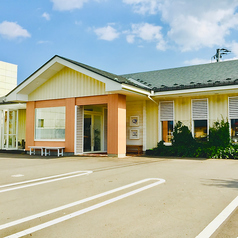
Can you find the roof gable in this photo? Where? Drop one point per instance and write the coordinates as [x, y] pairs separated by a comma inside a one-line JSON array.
[[55, 65]]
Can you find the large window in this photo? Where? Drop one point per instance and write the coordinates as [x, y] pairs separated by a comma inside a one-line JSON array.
[[50, 123], [233, 117], [200, 118], [166, 121]]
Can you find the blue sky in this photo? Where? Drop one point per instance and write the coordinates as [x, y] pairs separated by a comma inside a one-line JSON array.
[[123, 36]]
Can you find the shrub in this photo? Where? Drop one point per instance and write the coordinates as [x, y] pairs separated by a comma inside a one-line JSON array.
[[218, 144], [219, 135]]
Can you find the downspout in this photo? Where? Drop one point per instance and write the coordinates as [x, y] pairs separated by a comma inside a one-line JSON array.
[[149, 96]]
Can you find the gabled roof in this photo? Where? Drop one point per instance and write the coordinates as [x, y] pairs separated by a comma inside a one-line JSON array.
[[197, 76], [57, 63]]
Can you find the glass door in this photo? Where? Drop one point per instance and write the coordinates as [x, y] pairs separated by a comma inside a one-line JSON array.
[[87, 145], [92, 133], [10, 129]]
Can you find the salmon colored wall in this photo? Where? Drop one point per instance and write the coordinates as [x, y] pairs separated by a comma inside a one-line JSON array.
[[69, 124], [92, 100], [116, 141], [51, 103], [116, 125]]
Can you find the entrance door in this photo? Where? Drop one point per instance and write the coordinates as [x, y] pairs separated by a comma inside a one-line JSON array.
[[10, 129], [92, 132]]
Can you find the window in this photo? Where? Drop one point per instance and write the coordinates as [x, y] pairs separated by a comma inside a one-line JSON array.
[[50, 123], [233, 117], [166, 121], [200, 118]]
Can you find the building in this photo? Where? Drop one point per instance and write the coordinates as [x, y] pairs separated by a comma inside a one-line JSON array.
[[88, 110]]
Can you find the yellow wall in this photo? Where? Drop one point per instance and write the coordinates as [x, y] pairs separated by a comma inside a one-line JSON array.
[[151, 124], [68, 83], [217, 107], [134, 108], [21, 125]]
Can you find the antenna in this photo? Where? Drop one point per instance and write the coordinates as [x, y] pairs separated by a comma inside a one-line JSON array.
[[219, 54]]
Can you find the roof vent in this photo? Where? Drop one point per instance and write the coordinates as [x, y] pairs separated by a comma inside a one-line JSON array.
[[175, 84], [191, 82], [209, 81], [228, 79], [149, 84]]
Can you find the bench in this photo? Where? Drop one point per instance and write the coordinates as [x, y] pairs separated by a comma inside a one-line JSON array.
[[34, 148], [45, 150], [60, 150], [134, 148]]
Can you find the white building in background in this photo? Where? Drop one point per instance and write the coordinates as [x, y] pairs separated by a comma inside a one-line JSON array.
[[12, 132], [8, 77]]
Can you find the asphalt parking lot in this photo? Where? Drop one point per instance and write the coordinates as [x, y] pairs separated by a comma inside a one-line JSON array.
[[111, 197]]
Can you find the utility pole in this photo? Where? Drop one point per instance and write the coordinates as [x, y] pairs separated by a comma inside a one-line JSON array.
[[219, 54]]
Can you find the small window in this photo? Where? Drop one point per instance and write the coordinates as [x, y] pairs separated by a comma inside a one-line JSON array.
[[233, 116], [166, 121], [200, 118]]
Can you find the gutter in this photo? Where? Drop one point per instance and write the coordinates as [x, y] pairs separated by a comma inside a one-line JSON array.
[[142, 91]]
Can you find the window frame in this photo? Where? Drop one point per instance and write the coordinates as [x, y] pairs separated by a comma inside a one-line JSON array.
[[36, 122], [201, 119], [160, 121], [230, 117]]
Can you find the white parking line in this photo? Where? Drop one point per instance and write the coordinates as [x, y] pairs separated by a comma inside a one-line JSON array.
[[80, 212], [78, 173], [17, 175], [214, 225]]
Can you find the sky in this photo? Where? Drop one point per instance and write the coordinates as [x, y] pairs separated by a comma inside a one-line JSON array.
[[118, 36]]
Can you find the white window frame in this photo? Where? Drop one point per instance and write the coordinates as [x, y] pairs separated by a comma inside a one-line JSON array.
[[201, 99], [160, 121], [229, 117], [63, 140]]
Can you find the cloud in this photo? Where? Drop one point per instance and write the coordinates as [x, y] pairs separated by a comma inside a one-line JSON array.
[[147, 32], [67, 5], [107, 33], [197, 61], [144, 6], [12, 30], [46, 16], [192, 24], [43, 42]]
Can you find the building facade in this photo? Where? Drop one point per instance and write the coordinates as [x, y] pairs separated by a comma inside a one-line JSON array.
[[87, 110]]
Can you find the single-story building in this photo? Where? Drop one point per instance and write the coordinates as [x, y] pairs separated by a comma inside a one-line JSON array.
[[86, 110]]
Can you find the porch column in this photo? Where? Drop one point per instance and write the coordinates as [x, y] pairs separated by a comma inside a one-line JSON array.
[[69, 125], [30, 119], [116, 133]]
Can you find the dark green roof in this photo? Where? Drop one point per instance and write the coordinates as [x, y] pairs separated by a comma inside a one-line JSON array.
[[111, 76], [197, 76]]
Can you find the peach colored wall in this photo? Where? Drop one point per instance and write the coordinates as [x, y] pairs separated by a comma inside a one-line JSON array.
[[50, 103], [116, 124], [92, 100], [116, 121], [69, 124]]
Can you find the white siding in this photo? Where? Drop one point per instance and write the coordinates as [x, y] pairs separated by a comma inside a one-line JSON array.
[[79, 129]]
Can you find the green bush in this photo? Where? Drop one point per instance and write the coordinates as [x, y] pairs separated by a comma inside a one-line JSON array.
[[217, 145], [219, 135]]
